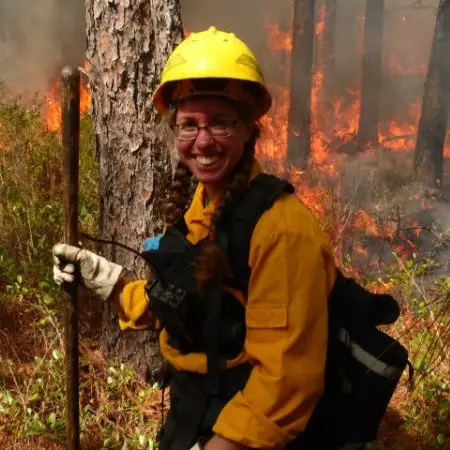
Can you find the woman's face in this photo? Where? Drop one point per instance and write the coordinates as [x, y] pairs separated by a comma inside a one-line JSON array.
[[209, 158]]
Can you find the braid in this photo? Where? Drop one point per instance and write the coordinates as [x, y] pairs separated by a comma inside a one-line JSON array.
[[212, 262], [238, 181], [179, 195]]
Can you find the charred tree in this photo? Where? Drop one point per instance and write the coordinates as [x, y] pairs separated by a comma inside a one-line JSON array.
[[328, 51], [371, 73], [299, 116], [429, 154], [127, 46]]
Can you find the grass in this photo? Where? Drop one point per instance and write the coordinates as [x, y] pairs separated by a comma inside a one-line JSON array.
[[118, 410]]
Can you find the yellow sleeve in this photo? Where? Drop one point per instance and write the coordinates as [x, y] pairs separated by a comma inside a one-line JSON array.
[[292, 275], [133, 308]]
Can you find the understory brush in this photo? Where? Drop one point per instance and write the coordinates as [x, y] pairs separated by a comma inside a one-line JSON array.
[[118, 410], [419, 412]]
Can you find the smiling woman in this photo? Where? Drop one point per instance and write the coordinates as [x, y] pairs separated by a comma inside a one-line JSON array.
[[244, 335]]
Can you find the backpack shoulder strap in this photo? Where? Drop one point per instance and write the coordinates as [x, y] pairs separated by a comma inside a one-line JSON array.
[[260, 196]]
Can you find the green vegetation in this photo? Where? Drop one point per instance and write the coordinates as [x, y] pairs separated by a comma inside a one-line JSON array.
[[118, 410]]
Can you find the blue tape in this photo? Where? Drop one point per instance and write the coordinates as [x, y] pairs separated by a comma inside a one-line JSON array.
[[152, 243]]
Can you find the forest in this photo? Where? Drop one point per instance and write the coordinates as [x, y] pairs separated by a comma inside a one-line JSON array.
[[359, 125]]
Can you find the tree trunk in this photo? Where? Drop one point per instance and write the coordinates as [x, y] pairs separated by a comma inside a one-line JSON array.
[[328, 53], [299, 117], [429, 152], [371, 73], [128, 43]]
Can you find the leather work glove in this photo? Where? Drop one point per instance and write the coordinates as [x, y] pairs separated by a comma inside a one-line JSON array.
[[96, 273]]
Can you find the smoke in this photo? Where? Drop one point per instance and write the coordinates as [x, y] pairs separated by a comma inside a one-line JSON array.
[[37, 38], [381, 182], [249, 20], [407, 37]]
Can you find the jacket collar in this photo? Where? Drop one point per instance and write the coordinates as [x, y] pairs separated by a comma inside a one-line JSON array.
[[203, 206]]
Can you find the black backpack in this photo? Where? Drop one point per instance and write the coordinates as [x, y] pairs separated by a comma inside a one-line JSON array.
[[364, 364]]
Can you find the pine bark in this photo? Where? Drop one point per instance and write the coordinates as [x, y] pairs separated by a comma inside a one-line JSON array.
[[429, 153], [371, 73], [299, 116], [128, 43]]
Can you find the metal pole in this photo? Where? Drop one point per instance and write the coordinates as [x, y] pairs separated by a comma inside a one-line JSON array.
[[70, 124]]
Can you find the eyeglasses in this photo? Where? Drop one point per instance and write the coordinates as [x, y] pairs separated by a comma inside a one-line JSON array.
[[217, 130]]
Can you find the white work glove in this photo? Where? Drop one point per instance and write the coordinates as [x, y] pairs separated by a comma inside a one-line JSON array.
[[96, 273]]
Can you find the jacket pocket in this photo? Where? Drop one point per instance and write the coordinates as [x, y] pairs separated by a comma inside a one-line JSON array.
[[266, 317], [267, 332]]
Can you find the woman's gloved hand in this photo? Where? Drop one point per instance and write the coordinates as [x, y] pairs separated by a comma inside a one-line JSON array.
[[95, 272]]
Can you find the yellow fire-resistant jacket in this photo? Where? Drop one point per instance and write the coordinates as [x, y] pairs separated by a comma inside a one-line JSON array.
[[292, 273]]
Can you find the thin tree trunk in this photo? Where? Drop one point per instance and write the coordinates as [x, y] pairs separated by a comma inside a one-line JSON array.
[[299, 118], [128, 43], [433, 122], [328, 51], [371, 73]]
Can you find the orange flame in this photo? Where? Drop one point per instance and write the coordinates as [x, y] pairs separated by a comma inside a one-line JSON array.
[[52, 108], [320, 25], [334, 125], [273, 146], [278, 40], [362, 221], [400, 135], [52, 105]]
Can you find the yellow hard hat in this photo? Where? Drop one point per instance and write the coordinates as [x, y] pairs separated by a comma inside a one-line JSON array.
[[213, 62]]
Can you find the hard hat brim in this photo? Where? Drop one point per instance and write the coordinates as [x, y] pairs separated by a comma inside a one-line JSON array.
[[260, 104]]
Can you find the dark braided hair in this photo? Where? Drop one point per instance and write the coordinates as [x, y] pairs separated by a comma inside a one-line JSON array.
[[179, 195], [212, 262]]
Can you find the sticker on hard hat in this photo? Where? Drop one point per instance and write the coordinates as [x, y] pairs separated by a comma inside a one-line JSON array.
[[247, 60]]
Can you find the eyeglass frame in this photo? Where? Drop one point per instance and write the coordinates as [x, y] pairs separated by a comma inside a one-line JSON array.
[[176, 129]]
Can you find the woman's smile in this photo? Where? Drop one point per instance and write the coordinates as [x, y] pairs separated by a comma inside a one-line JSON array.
[[207, 161]]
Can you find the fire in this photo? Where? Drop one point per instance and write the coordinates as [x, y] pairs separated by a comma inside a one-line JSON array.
[[52, 108], [362, 221], [52, 105], [334, 128], [320, 142], [320, 25], [409, 68], [401, 135], [278, 40], [273, 146]]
